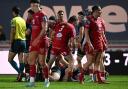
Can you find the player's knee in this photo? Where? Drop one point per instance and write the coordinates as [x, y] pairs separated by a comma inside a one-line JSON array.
[[10, 59]]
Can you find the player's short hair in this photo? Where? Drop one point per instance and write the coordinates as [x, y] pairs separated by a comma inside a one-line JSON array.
[[16, 9], [31, 11], [34, 1], [87, 12], [81, 13], [52, 18], [96, 7], [72, 19], [60, 11]]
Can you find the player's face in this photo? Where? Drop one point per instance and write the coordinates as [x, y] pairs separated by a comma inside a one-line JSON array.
[[76, 22], [80, 17], [34, 5], [51, 23], [13, 13], [61, 15], [98, 12]]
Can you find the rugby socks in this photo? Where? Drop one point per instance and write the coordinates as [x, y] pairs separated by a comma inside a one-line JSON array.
[[102, 76], [14, 65], [32, 73], [81, 76], [91, 73], [32, 70], [32, 79], [21, 67], [98, 77], [45, 71]]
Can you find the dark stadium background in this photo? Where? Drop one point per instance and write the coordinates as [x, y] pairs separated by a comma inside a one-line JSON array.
[[118, 41]]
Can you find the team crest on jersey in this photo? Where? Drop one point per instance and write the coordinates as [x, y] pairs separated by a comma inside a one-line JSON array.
[[59, 35]]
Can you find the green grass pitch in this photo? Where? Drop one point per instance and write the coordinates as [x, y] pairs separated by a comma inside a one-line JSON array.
[[115, 82]]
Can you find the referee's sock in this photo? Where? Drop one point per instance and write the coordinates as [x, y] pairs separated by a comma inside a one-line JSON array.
[[14, 65], [22, 65]]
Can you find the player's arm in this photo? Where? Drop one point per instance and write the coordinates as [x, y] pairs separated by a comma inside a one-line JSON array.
[[88, 41], [52, 35], [104, 37], [13, 31], [87, 37], [28, 30], [63, 61], [81, 33], [72, 40], [72, 44], [44, 25], [104, 26]]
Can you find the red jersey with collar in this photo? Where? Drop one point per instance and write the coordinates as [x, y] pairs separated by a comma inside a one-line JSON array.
[[96, 32], [63, 32], [38, 18]]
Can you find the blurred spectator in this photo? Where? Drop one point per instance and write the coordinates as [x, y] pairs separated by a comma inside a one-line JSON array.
[[2, 35]]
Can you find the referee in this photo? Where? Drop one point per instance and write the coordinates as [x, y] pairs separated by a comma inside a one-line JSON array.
[[17, 41]]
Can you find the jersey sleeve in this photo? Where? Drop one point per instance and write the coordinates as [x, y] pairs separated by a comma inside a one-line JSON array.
[[73, 31], [43, 18], [103, 24], [13, 23], [87, 24]]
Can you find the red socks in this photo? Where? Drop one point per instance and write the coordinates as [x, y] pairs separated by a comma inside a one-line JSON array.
[[46, 71], [98, 76], [32, 70]]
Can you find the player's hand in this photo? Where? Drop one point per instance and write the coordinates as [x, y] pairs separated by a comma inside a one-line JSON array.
[[90, 47]]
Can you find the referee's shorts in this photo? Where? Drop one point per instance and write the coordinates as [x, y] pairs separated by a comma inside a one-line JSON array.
[[18, 46]]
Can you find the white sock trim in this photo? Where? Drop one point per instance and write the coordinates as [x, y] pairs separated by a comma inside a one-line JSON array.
[[32, 79]]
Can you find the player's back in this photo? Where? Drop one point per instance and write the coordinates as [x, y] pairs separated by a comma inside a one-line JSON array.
[[20, 26]]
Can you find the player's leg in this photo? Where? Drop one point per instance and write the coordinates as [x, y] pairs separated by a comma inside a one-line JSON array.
[[52, 60], [26, 65], [97, 66], [21, 66], [103, 72], [32, 60], [45, 68], [85, 67], [21, 50], [12, 53], [11, 56], [70, 59]]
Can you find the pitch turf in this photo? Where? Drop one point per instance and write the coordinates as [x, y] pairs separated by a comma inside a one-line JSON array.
[[116, 82]]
